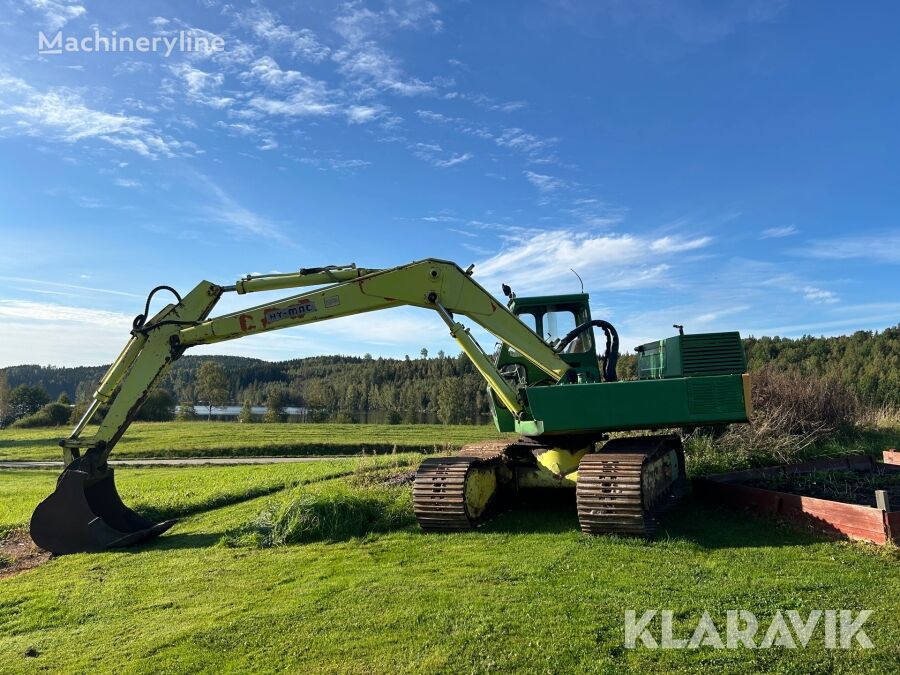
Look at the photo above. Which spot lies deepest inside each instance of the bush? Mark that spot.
(329, 514)
(159, 407)
(186, 412)
(51, 415)
(77, 411)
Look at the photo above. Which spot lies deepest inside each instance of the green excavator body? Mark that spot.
(682, 381)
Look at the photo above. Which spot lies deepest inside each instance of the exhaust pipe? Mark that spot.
(85, 514)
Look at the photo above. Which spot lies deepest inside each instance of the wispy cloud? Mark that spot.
(546, 184)
(514, 139)
(60, 114)
(777, 232)
(268, 27)
(539, 260)
(201, 87)
(432, 153)
(794, 284)
(365, 62)
(226, 210)
(42, 311)
(881, 249)
(56, 13)
(75, 287)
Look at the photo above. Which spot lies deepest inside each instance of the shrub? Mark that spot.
(186, 412)
(159, 407)
(51, 415)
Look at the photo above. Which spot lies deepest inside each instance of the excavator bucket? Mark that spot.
(85, 514)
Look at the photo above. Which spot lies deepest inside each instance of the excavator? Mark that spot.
(546, 382)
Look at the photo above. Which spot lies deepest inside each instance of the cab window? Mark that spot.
(558, 324)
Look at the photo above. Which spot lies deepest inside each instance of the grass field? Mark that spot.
(224, 439)
(527, 592)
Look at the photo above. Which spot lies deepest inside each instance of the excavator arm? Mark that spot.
(85, 512)
(432, 284)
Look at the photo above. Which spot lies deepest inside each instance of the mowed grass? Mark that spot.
(169, 492)
(226, 439)
(525, 593)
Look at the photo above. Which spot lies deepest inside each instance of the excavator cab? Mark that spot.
(553, 317)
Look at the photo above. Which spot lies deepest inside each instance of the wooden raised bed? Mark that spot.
(866, 523)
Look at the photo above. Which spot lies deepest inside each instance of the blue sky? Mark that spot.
(724, 165)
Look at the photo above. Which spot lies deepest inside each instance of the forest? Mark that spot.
(868, 362)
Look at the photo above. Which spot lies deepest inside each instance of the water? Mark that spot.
(301, 414)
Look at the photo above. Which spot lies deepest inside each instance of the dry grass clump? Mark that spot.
(791, 412)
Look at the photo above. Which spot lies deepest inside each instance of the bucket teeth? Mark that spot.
(85, 514)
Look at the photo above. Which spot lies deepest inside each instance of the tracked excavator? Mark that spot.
(546, 382)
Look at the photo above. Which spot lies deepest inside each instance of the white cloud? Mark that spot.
(39, 332)
(678, 245)
(298, 95)
(517, 139)
(60, 114)
(430, 152)
(267, 27)
(777, 232)
(545, 183)
(40, 311)
(820, 296)
(357, 23)
(127, 183)
(267, 71)
(369, 64)
(538, 261)
(358, 114)
(200, 86)
(57, 13)
(454, 160)
(432, 116)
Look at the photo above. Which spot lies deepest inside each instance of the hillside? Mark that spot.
(869, 362)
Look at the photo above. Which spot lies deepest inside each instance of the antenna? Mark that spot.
(579, 279)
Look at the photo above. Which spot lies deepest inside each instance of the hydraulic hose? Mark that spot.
(610, 356)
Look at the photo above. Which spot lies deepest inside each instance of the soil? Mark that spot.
(850, 487)
(384, 478)
(19, 554)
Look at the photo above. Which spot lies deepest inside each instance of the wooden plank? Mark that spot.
(891, 456)
(882, 501)
(848, 520)
(892, 525)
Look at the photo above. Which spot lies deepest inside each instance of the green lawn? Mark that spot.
(223, 439)
(527, 592)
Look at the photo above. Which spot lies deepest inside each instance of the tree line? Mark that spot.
(449, 386)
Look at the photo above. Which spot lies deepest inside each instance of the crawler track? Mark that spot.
(439, 490)
(628, 484)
